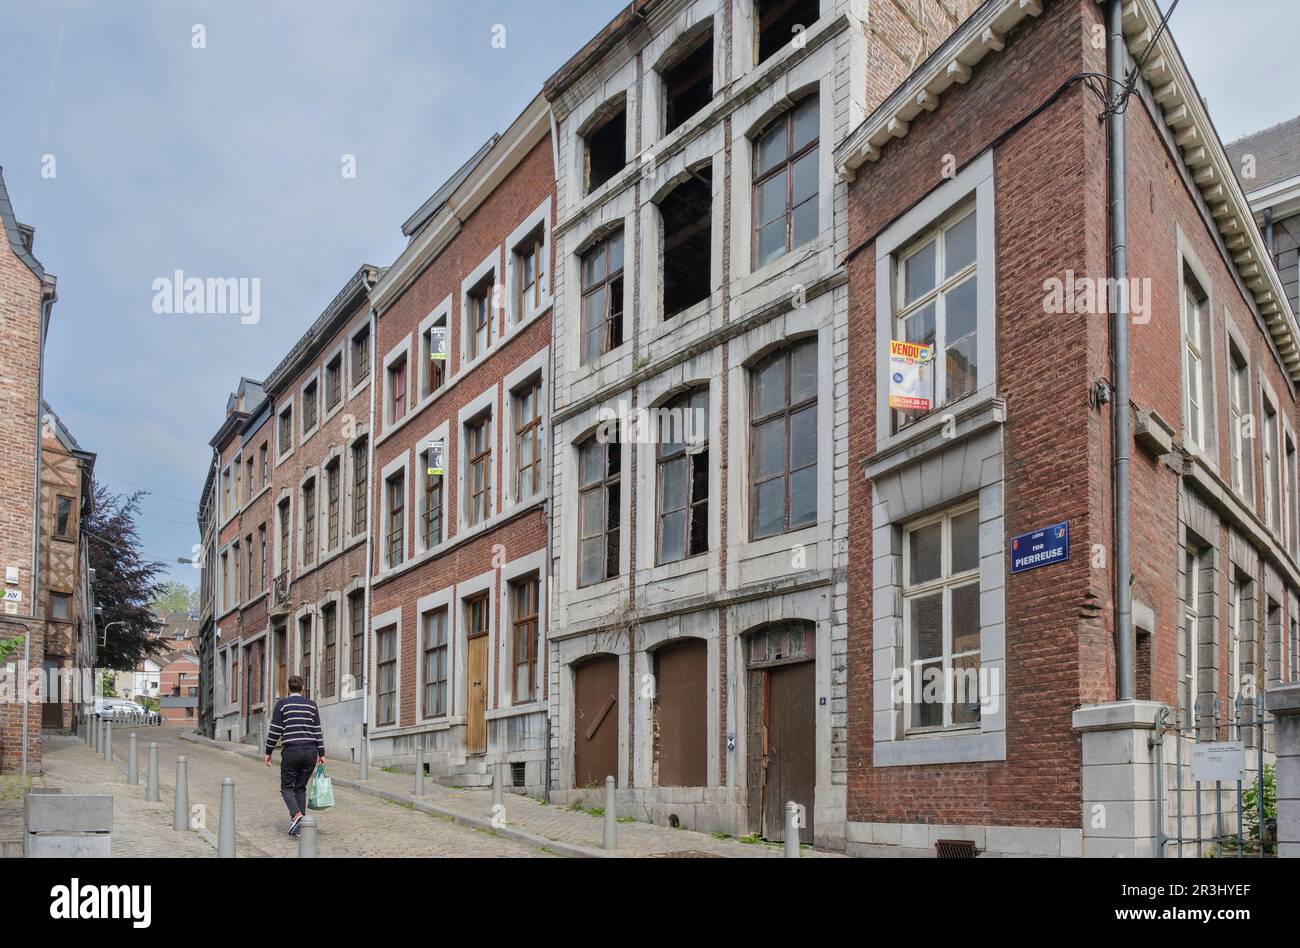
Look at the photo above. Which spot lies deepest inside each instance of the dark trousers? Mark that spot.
(297, 761)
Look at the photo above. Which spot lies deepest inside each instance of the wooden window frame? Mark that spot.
(601, 487)
(440, 648)
(691, 455)
(309, 514)
(525, 599)
(478, 495)
(527, 430)
(386, 676)
(786, 167)
(395, 488)
(360, 486)
(786, 412)
(529, 293)
(332, 491)
(64, 519)
(329, 650)
(611, 323)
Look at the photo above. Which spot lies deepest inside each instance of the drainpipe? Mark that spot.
(1268, 230)
(1117, 54)
(366, 677)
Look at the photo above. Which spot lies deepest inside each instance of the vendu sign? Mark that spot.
(1041, 547)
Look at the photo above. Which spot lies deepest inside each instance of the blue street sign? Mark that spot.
(1041, 547)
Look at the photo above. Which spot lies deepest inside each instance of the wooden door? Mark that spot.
(52, 706)
(681, 679)
(281, 663)
(595, 721)
(476, 672)
(791, 726)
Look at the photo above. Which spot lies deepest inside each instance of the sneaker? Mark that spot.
(295, 825)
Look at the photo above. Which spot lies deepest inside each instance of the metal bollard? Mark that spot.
(108, 740)
(152, 794)
(419, 771)
(132, 762)
(181, 816)
(94, 734)
(365, 760)
(307, 838)
(611, 823)
(496, 785)
(792, 830)
(226, 828)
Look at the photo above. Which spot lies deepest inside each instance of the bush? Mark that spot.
(1250, 805)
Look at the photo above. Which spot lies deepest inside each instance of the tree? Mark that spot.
(126, 583)
(176, 597)
(9, 646)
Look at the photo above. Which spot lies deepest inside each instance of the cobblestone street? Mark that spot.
(384, 819)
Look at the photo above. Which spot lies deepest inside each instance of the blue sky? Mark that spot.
(226, 160)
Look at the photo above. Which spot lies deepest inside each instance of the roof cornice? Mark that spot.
(524, 133)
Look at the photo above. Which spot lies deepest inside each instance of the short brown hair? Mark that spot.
(295, 684)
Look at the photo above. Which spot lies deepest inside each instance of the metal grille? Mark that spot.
(517, 774)
(955, 849)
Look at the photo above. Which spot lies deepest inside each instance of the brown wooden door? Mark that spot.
(681, 678)
(783, 746)
(476, 670)
(595, 721)
(281, 663)
(52, 706)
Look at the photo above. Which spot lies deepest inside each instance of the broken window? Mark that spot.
(688, 83)
(783, 441)
(777, 23)
(606, 144)
(602, 298)
(786, 183)
(684, 477)
(686, 213)
(599, 508)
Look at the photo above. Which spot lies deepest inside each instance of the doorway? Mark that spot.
(595, 721)
(782, 727)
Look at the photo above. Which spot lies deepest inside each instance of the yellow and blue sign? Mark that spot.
(1041, 547)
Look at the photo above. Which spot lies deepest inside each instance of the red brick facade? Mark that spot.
(1049, 163)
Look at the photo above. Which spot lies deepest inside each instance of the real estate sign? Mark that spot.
(911, 375)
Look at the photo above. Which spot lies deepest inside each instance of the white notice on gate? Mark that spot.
(1220, 760)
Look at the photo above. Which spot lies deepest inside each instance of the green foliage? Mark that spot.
(1250, 798)
(110, 685)
(176, 597)
(751, 839)
(9, 646)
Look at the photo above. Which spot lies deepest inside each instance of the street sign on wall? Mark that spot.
(1041, 547)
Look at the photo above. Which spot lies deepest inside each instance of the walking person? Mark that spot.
(295, 725)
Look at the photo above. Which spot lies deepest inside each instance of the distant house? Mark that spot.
(178, 692)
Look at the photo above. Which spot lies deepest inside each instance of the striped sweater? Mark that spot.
(295, 720)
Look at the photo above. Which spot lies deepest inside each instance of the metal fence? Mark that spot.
(1228, 818)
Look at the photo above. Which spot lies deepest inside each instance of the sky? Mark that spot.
(226, 158)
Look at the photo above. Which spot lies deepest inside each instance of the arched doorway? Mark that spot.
(681, 713)
(782, 726)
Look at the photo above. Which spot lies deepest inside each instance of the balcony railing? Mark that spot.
(280, 590)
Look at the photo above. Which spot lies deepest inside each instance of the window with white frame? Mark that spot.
(1193, 318)
(941, 620)
(936, 303)
(434, 648)
(478, 469)
(530, 272)
(1240, 422)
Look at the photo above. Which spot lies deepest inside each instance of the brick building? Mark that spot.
(290, 479)
(178, 687)
(977, 224)
(461, 470)
(34, 507)
(700, 520)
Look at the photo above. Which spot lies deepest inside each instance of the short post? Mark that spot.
(496, 785)
(108, 740)
(611, 821)
(791, 830)
(307, 838)
(226, 828)
(132, 761)
(181, 816)
(365, 760)
(94, 734)
(419, 771)
(152, 794)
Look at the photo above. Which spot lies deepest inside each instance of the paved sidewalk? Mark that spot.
(139, 828)
(566, 831)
